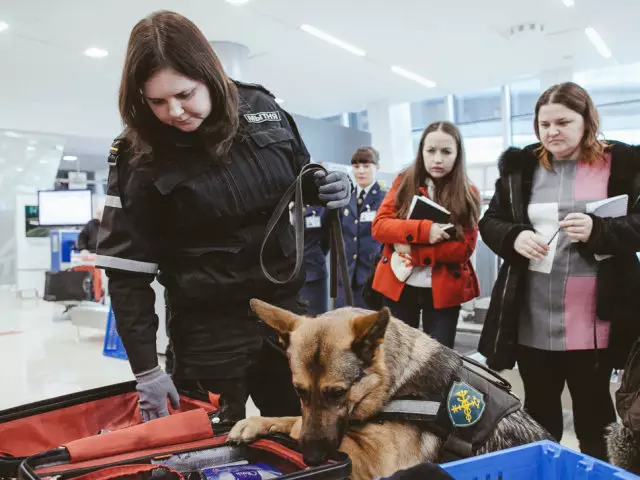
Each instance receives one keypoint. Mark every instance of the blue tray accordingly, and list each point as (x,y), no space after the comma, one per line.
(535,461)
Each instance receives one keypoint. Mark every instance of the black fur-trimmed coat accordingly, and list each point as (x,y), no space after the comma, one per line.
(618,278)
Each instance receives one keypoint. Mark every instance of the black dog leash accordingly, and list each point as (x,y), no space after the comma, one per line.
(338,259)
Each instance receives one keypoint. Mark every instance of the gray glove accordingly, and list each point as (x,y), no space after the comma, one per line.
(334,188)
(154,386)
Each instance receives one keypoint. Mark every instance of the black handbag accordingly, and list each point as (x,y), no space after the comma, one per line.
(68,285)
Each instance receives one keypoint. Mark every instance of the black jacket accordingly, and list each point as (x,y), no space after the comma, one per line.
(199,223)
(618,278)
(88,236)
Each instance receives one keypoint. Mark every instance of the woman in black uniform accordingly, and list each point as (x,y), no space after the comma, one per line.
(193,181)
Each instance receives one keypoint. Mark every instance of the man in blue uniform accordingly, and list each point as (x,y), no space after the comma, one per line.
(366,198)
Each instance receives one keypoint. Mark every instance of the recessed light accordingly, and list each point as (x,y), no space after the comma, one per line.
(569,3)
(19,169)
(3,26)
(332,40)
(279,101)
(237,2)
(59,148)
(597,41)
(95,52)
(69,158)
(12,134)
(413,76)
(44,162)
(30,148)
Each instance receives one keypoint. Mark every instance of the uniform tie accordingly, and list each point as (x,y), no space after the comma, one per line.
(361,199)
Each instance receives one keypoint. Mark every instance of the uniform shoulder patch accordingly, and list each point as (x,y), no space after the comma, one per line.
(465,405)
(114,152)
(117,149)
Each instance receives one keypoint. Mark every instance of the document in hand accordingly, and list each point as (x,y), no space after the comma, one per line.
(609,208)
(423,208)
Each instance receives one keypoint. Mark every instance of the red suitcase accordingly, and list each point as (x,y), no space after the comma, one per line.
(97,435)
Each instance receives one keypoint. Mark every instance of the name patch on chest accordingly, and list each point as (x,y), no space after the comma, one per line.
(262,117)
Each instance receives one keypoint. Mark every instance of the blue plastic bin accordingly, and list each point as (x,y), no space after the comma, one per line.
(535,461)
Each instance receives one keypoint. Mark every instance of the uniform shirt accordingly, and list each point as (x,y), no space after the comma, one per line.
(366,190)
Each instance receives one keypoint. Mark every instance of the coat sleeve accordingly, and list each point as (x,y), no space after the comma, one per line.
(498,228)
(619,236)
(389,229)
(128,254)
(452,251)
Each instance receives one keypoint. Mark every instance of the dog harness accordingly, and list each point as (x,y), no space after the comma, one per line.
(465,415)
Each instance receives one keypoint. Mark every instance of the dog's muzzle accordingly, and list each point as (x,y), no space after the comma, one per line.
(316,452)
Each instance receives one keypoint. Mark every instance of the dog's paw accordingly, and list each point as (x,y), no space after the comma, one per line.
(248,430)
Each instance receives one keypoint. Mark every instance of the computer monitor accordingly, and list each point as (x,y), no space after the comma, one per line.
(64,208)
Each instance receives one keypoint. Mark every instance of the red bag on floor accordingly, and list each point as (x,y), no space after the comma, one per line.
(98,435)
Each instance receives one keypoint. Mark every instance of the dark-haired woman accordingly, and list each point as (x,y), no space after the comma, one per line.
(565,305)
(193,181)
(424,269)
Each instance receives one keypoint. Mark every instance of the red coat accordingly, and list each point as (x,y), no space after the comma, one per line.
(453,279)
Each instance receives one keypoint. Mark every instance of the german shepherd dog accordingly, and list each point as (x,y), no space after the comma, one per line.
(346,365)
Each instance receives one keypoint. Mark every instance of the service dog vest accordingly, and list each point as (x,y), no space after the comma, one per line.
(465,415)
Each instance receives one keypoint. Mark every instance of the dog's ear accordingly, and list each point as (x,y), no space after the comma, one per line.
(368,333)
(282,321)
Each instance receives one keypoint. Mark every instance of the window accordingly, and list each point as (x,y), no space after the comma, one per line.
(621,122)
(426,112)
(524,96)
(359,120)
(335,119)
(478,106)
(616,92)
(613,84)
(479,117)
(423,114)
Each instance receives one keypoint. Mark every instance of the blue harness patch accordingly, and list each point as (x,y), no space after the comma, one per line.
(465,405)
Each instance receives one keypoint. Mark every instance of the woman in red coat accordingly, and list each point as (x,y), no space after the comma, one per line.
(425,266)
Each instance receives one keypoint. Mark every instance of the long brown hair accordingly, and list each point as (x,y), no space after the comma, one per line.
(169,40)
(454,191)
(576,98)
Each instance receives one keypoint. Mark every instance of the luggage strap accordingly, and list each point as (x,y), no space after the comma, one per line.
(338,257)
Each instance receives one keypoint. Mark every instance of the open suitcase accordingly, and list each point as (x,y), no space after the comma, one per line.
(97,435)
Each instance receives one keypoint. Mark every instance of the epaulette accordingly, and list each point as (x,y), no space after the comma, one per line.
(114,150)
(254,86)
